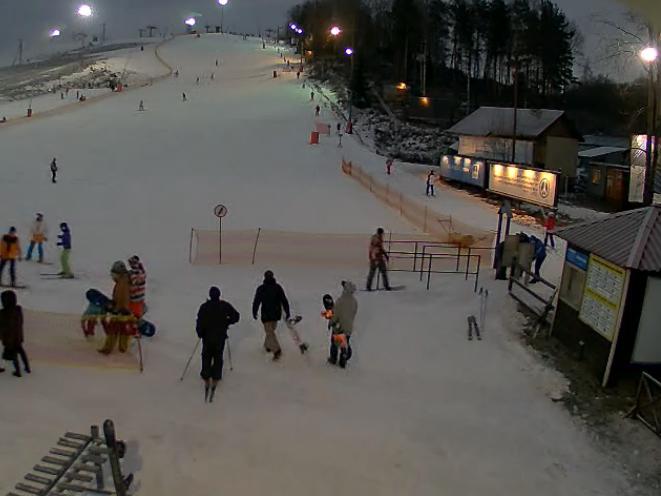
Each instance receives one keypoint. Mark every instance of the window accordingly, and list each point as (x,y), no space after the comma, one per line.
(573,284)
(596,175)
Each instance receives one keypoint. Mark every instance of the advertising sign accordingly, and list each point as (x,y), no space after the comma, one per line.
(533,186)
(465,170)
(577,259)
(603,296)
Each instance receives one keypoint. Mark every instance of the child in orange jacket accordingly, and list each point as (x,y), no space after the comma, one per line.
(10,251)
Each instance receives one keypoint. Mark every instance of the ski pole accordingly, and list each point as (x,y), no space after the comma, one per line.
(139,339)
(183,374)
(229,354)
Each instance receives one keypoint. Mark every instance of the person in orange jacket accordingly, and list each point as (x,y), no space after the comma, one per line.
(10,251)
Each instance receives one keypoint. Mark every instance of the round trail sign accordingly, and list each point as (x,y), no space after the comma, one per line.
(220,211)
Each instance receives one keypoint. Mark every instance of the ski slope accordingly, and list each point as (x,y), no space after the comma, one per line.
(419,411)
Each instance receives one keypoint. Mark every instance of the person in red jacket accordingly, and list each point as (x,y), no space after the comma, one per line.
(549,226)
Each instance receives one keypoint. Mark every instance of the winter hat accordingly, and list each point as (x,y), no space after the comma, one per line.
(214,293)
(268,275)
(134,261)
(12,229)
(118,267)
(40,216)
(64,226)
(8,299)
(349,287)
(379,230)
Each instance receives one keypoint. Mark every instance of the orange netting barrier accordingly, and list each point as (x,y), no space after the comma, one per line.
(270,247)
(441,227)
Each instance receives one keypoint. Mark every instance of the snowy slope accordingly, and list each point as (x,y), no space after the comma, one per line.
(419,411)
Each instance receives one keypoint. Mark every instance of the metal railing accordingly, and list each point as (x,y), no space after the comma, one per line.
(648,403)
(548,302)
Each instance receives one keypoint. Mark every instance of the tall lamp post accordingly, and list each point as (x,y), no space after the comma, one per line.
(650,56)
(336,31)
(222,4)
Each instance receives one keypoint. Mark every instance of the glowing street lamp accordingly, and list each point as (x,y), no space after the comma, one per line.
(335,31)
(222,4)
(299,30)
(649,54)
(349,51)
(85,11)
(54,33)
(190,22)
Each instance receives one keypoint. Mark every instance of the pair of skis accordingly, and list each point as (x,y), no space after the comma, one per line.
(473,325)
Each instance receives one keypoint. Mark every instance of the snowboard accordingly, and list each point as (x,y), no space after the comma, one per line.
(97,298)
(296,337)
(392,288)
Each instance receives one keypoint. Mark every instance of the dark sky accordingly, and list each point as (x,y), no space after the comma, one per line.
(31,19)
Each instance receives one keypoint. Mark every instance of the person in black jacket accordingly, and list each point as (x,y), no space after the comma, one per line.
(271,297)
(213,320)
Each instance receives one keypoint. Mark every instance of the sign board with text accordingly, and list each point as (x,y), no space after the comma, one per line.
(538,187)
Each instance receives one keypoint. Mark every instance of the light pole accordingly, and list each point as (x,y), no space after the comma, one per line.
(335,32)
(299,31)
(222,12)
(650,56)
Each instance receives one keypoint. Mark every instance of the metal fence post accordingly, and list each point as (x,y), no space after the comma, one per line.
(468,262)
(429,271)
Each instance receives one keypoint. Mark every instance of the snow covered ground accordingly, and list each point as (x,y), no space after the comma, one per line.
(419,411)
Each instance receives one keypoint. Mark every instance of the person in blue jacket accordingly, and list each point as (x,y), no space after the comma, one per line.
(539,255)
(64,240)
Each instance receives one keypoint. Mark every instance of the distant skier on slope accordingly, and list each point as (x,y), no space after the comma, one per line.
(64,240)
(183,97)
(53,170)
(141,107)
(213,320)
(378,259)
(10,251)
(271,298)
(341,323)
(39,233)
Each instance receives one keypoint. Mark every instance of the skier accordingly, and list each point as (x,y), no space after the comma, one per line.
(317,110)
(64,240)
(53,170)
(138,279)
(389,163)
(549,227)
(197,81)
(341,323)
(141,107)
(431,177)
(11,332)
(121,324)
(213,76)
(10,251)
(39,233)
(183,97)
(312,96)
(176,73)
(213,319)
(216,62)
(271,297)
(378,259)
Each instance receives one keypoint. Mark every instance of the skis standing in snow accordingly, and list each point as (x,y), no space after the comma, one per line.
(378,259)
(10,251)
(341,324)
(39,233)
(11,332)
(64,240)
(271,298)
(213,319)
(53,170)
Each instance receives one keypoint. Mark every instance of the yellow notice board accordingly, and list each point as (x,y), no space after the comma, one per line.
(603,296)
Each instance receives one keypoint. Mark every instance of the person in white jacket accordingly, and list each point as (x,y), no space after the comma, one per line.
(39,234)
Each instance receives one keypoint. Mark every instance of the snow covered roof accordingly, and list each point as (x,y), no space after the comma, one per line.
(629,239)
(499,121)
(600,151)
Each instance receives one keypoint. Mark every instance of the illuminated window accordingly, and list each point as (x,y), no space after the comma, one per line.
(596,176)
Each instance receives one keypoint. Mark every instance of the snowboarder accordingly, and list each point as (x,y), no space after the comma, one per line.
(183,97)
(141,107)
(64,240)
(11,332)
(378,258)
(39,233)
(138,279)
(389,163)
(10,251)
(213,319)
(53,170)
(317,110)
(549,227)
(341,324)
(431,177)
(272,299)
(121,323)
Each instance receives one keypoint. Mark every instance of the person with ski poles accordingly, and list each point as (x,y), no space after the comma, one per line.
(213,320)
(64,240)
(344,313)
(39,232)
(272,299)
(53,170)
(378,258)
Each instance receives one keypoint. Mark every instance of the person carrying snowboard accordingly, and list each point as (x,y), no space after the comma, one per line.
(378,258)
(213,319)
(10,251)
(64,240)
(121,323)
(39,233)
(53,171)
(11,332)
(271,298)
(341,324)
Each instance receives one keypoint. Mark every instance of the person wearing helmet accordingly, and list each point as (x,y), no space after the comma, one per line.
(271,298)
(121,325)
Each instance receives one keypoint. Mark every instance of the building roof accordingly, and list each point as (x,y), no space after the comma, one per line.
(600,140)
(601,151)
(629,239)
(499,122)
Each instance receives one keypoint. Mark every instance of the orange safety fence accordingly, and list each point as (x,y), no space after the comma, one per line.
(441,227)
